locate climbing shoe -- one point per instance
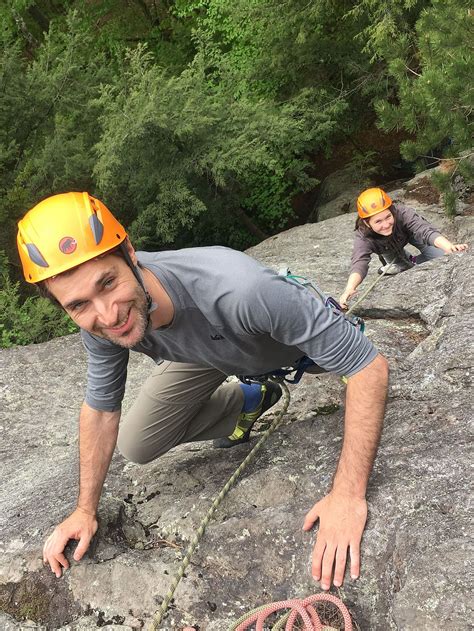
(390, 269)
(270, 392)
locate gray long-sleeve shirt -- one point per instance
(408, 227)
(234, 314)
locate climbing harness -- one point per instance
(304, 607)
(302, 611)
(302, 365)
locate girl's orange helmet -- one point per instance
(64, 231)
(372, 201)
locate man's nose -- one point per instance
(107, 313)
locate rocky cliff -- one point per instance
(416, 544)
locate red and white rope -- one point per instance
(302, 610)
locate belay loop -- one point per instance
(304, 364)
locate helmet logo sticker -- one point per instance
(67, 245)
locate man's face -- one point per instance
(103, 297)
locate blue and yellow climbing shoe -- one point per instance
(259, 397)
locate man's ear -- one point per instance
(131, 251)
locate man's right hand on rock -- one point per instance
(81, 526)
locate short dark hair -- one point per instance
(44, 292)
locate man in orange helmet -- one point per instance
(202, 314)
(384, 227)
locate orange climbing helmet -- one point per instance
(372, 201)
(64, 231)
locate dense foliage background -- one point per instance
(199, 121)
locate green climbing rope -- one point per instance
(371, 287)
(158, 616)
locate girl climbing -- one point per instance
(385, 228)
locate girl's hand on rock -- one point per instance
(458, 247)
(344, 297)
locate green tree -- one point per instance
(165, 137)
(433, 97)
(27, 321)
(266, 88)
(48, 118)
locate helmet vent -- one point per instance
(97, 228)
(35, 255)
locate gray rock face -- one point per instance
(416, 545)
(338, 194)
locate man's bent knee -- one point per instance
(138, 451)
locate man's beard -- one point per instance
(140, 326)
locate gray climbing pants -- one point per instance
(178, 403)
(427, 253)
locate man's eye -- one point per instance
(77, 307)
(109, 282)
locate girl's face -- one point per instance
(382, 223)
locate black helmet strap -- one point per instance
(138, 275)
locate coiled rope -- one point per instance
(299, 609)
(158, 616)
